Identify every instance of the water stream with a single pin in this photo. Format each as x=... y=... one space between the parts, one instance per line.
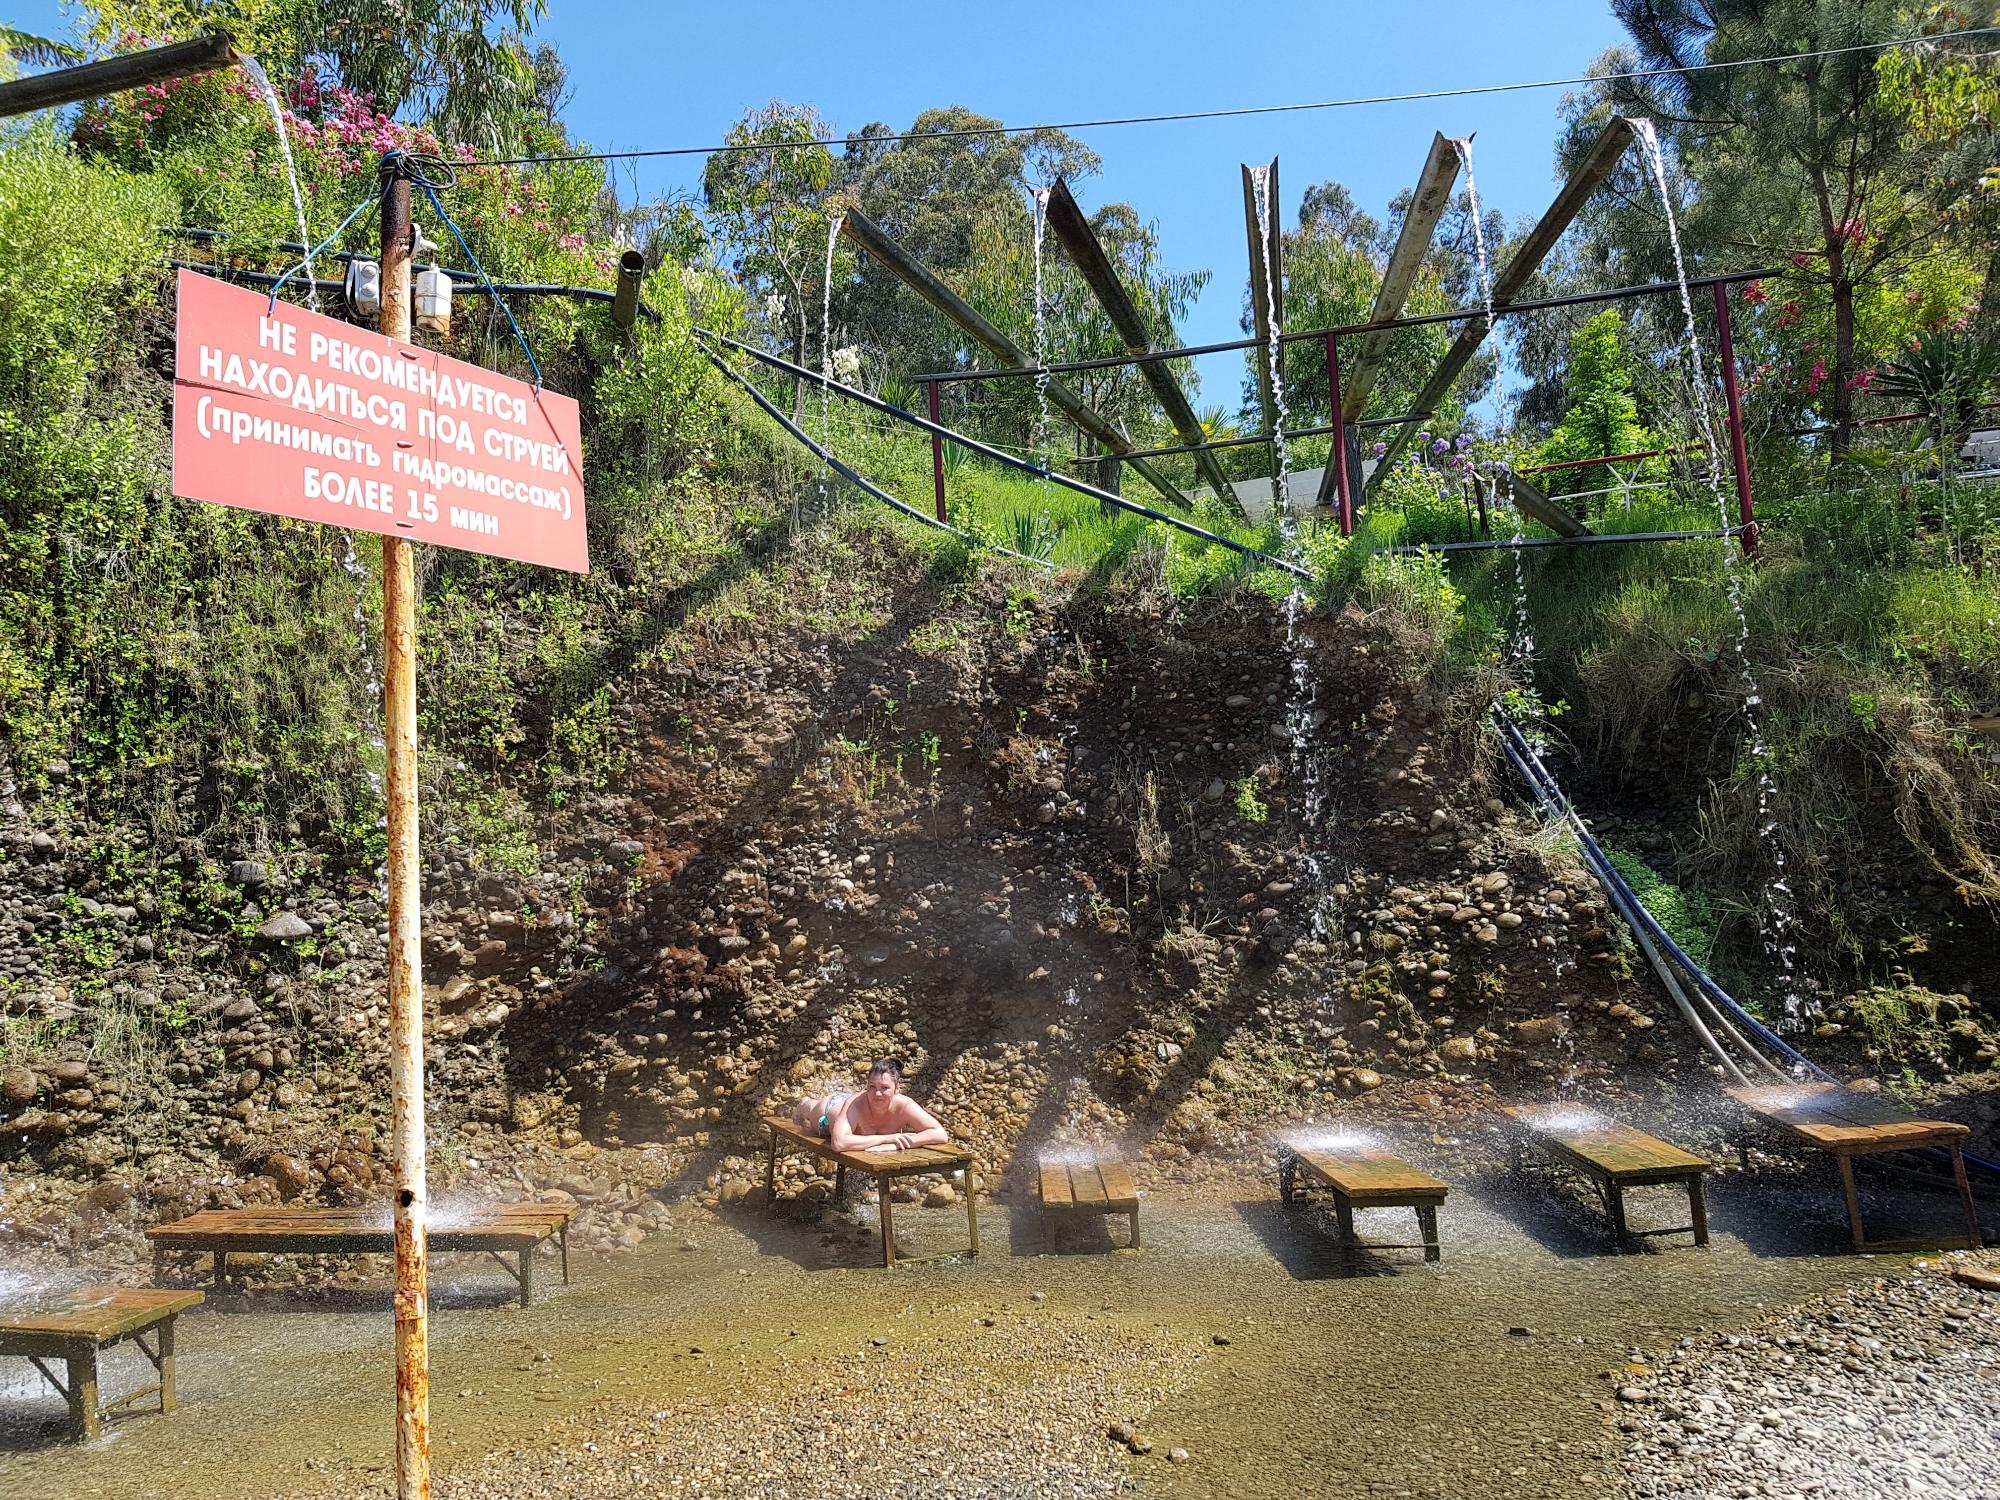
x=1041 y=331
x=826 y=344
x=254 y=70
x=1780 y=924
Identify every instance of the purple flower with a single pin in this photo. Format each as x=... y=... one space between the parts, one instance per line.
x=1442 y=445
x=1378 y=450
x=1464 y=441
x=1424 y=436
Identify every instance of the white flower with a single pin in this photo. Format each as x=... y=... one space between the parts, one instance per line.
x=774 y=306
x=846 y=365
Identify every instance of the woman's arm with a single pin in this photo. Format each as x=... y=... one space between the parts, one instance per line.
x=922 y=1127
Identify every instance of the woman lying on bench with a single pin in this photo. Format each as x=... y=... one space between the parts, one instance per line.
x=879 y=1118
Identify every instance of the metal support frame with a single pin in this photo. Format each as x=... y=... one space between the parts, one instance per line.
x=865 y=233
x=1739 y=454
x=937 y=447
x=1336 y=481
x=1086 y=253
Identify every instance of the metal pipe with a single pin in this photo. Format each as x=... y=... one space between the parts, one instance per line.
x=865 y=485
x=1532 y=542
x=937 y=448
x=114 y=75
x=1418 y=320
x=625 y=301
x=464 y=283
x=1739 y=453
x=1076 y=236
x=1336 y=467
x=1612 y=458
x=1001 y=456
x=919 y=277
x=406 y=944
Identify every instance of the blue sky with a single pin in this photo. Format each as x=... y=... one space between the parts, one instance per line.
x=653 y=75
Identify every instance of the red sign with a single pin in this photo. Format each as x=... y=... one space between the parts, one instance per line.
x=282 y=410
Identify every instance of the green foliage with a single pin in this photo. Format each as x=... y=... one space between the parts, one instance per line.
x=1947 y=377
x=1603 y=419
x=1686 y=914
x=1250 y=804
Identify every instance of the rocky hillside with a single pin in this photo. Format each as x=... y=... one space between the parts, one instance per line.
x=1045 y=847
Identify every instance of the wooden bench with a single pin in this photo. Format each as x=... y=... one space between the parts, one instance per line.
x=494 y=1229
x=74 y=1325
x=1360 y=1174
x=1847 y=1123
x=1073 y=1186
x=1613 y=1157
x=885 y=1167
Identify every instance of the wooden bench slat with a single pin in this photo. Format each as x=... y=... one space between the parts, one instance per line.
x=1055 y=1186
x=1601 y=1145
x=1121 y=1190
x=1836 y=1118
x=100 y=1314
x=1086 y=1185
x=1365 y=1173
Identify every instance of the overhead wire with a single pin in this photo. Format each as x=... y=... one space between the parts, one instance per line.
x=1244 y=111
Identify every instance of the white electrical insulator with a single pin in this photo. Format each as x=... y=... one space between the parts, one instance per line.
x=364 y=288
x=433 y=299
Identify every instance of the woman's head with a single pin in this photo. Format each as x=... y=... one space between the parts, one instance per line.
x=885 y=1077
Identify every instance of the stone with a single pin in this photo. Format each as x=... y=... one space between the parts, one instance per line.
x=292 y=1175
x=1120 y=1432
x=1461 y=1050
x=19 y=1085
x=71 y=1070
x=1140 y=1444
x=239 y=1010
x=941 y=1196
x=1177 y=1455
x=624 y=851
x=285 y=927
x=248 y=873
x=42 y=843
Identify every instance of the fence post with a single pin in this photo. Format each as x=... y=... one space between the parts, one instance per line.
x=1739 y=454
x=1344 y=495
x=937 y=447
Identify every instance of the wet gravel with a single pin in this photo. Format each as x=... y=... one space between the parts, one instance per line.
x=1885 y=1389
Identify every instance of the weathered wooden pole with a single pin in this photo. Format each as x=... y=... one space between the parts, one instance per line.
x=1739 y=450
x=937 y=446
x=919 y=277
x=1073 y=230
x=625 y=300
x=114 y=75
x=406 y=975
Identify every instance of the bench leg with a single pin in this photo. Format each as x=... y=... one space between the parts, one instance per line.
x=84 y=1413
x=527 y=1277
x=1134 y=1216
x=1427 y=1222
x=1288 y=1176
x=1343 y=1214
x=1965 y=1196
x=888 y=1222
x=159 y=1265
x=1614 y=1202
x=1853 y=1198
x=221 y=1258
x=972 y=1209
x=563 y=1234
x=840 y=1182
x=165 y=1364
x=771 y=1175
x=1698 y=1209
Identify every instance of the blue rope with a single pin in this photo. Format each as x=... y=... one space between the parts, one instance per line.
x=279 y=285
x=499 y=301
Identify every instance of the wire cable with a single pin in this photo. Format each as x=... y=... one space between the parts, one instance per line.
x=279 y=285
x=430 y=192
x=1247 y=110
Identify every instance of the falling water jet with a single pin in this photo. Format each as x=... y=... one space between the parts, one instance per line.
x=1041 y=327
x=254 y=70
x=826 y=345
x=1301 y=714
x=1779 y=937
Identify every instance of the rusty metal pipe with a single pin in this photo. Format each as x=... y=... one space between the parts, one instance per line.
x=114 y=75
x=625 y=301
x=406 y=975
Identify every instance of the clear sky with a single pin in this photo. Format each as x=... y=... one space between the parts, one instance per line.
x=648 y=74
